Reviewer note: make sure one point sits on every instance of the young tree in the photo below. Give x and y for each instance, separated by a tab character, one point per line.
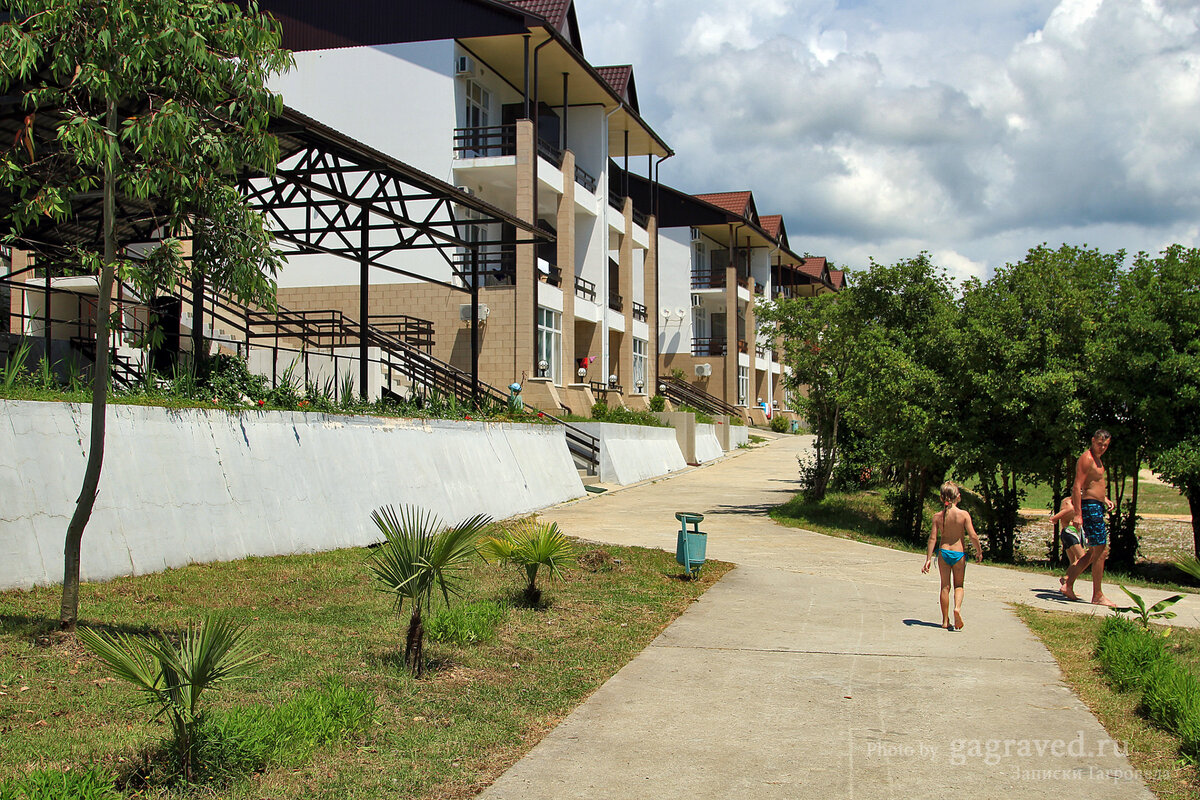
1157	357
820	346
156	105
900	396
1024	376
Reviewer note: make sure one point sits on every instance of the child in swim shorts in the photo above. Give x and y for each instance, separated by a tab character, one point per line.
951	526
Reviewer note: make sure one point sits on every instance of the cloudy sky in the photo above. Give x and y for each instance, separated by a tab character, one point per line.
973	129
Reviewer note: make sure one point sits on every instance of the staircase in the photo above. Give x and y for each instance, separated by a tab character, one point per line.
680	391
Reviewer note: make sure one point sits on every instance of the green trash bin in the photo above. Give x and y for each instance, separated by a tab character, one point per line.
690	546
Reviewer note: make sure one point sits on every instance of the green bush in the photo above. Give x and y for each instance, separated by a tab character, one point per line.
658	403
624	416
48	785
243	740
701	417
736	420
1171	700
780	424
466	624
1127	653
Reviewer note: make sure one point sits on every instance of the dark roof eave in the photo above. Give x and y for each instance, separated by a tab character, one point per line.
578	56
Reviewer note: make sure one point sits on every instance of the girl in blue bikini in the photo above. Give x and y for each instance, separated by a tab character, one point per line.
951	526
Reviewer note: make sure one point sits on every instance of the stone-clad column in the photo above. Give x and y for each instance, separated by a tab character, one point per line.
625	289
523	325
565	224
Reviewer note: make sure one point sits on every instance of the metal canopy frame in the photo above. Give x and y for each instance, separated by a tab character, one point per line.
330	194
334	195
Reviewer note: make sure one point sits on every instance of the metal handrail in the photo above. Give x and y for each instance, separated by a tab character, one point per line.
585	179
483	142
616	200
550	152
641	218
708	279
678	390
639	311
708	346
585	289
497	268
616	302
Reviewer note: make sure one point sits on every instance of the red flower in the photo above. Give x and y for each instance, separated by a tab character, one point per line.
262	402
466	416
541	414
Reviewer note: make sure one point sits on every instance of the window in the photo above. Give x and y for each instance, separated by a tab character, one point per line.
549	340
640	362
479	101
743	389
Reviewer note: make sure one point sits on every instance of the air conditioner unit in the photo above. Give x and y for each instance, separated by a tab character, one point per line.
703	370
697	301
464	65
464	312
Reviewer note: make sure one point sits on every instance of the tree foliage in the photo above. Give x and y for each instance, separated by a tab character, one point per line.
1003	382
156	106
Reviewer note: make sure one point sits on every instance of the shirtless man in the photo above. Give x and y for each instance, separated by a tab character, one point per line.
1089	497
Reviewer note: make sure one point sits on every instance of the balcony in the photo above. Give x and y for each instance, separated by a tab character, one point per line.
585	289
584	179
708	279
639	312
495	269
550	273
760	351
496	140
616	302
708	346
759	289
550	152
641	219
616	200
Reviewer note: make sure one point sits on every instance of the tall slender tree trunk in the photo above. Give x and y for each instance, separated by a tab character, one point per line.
69	610
1193	497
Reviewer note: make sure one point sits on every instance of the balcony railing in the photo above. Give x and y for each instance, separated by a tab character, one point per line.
585	179
743	346
760	351
601	388
550	152
710	346
585	289
616	200
616	302
641	219
553	277
495	269
496	140
759	288
639	312
708	279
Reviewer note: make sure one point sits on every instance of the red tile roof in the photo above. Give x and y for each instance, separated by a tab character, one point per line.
617	77
733	202
813	266
772	224
838	278
554	11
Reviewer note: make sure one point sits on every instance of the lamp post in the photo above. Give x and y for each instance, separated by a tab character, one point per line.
582	373
639	383
542	366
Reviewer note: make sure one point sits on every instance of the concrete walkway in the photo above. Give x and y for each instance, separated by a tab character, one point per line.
817	669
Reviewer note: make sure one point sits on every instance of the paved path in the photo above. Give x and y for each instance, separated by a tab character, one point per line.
816	669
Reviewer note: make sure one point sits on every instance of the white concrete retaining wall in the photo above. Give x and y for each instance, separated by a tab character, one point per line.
182	486
708	446
738	436
632	453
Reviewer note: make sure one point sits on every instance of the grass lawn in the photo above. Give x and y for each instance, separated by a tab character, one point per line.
318	616
863	516
1072	640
